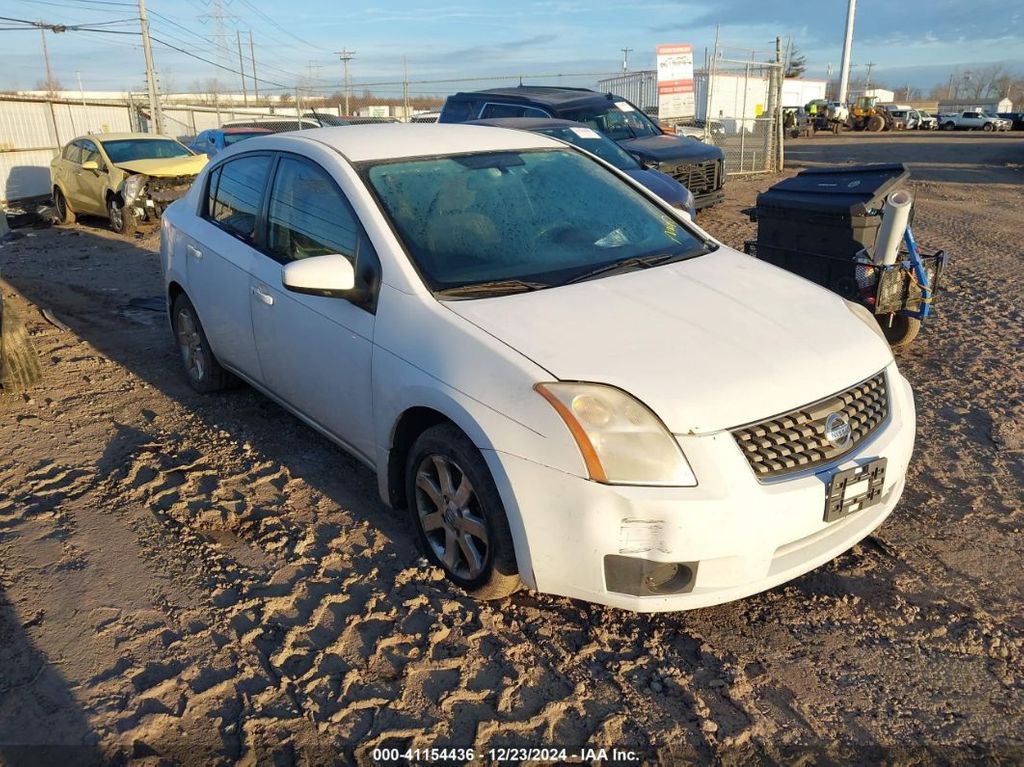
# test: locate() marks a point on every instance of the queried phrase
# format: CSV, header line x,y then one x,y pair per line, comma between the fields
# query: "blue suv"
x,y
694,164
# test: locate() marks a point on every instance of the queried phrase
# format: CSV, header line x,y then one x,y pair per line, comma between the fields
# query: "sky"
x,y
916,42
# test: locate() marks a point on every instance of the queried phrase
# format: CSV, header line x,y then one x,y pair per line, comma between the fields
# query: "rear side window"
x,y
90,153
308,215
455,111
235,193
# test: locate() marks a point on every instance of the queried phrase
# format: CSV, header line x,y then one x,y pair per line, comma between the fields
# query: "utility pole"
x,y
867,77
844,68
255,83
241,67
156,116
625,59
405,87
346,56
46,57
81,90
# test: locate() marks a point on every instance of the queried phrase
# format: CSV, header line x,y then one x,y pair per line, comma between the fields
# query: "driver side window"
x,y
308,215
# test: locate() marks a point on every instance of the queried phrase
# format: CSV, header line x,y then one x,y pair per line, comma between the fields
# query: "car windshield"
x,y
616,119
595,143
234,138
526,219
126,150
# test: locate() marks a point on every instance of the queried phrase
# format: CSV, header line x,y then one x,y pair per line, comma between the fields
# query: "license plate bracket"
x,y
851,490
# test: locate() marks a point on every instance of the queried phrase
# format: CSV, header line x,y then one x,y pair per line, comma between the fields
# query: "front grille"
x,y
700,178
796,440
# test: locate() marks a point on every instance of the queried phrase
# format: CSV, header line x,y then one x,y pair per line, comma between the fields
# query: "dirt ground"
x,y
192,579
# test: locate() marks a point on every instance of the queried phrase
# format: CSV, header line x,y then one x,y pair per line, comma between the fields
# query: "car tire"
x,y
899,329
949,126
455,507
121,221
987,127
64,214
203,371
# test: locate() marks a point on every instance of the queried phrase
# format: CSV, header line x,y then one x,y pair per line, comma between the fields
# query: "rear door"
x,y
219,252
314,351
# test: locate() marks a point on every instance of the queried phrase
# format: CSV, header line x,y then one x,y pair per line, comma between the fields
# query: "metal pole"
x,y
405,88
156,117
780,152
46,58
81,90
743,130
255,83
241,67
346,56
844,68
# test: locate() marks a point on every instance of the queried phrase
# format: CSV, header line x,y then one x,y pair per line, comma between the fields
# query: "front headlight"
x,y
132,188
864,315
622,442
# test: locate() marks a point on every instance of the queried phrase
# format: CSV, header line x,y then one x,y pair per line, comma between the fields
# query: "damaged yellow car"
x,y
124,177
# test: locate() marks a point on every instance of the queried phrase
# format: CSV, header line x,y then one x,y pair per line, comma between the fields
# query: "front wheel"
x,y
459,517
122,220
899,329
987,127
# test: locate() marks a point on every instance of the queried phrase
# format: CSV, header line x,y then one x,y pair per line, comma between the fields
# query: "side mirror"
x,y
331,275
90,165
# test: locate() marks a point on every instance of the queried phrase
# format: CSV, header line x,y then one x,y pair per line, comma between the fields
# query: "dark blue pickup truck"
x,y
694,164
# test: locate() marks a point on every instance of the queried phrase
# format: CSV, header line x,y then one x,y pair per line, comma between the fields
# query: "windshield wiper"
x,y
492,288
634,262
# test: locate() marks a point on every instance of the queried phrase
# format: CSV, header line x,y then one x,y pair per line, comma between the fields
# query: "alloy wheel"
x,y
450,516
190,343
116,215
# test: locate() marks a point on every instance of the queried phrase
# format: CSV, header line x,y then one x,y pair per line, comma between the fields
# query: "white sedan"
x,y
566,383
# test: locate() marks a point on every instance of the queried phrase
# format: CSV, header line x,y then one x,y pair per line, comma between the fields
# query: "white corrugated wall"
x,y
32,133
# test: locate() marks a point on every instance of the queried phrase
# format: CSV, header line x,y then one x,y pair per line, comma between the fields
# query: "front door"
x,y
314,352
91,185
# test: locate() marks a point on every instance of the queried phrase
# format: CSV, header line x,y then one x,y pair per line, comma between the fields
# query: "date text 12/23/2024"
x,y
502,755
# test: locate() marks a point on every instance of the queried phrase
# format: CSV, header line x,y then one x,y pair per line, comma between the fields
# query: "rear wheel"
x,y
459,517
60,204
949,126
899,329
204,373
122,220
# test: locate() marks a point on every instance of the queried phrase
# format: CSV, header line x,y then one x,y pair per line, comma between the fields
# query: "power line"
x,y
273,23
212,63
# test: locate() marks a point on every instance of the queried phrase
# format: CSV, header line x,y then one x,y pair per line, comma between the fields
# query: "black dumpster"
x,y
822,224
815,223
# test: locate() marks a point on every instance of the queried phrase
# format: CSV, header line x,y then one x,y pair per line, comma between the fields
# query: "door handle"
x,y
261,293
193,251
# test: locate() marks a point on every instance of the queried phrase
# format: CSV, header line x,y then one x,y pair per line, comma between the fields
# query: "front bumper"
x,y
735,535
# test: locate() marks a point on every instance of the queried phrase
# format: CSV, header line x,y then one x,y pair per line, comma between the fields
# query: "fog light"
x,y
643,577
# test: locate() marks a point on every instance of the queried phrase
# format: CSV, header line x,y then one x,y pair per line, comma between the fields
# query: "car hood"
x,y
664,147
666,187
710,343
171,166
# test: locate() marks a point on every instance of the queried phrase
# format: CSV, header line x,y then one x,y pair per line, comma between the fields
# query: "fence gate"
x,y
742,106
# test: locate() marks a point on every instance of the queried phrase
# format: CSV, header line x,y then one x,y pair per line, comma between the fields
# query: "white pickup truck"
x,y
973,121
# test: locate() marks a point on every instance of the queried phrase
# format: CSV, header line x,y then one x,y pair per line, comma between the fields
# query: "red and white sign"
x,y
675,81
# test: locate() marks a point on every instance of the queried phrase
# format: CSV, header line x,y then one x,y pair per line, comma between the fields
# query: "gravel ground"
x,y
204,579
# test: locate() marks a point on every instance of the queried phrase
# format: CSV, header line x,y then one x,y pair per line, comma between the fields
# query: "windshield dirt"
x,y
539,217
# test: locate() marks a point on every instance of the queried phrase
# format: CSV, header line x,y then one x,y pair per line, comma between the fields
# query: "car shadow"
x,y
40,720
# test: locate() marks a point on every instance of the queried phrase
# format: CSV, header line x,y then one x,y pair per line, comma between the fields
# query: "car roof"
x,y
546,95
525,123
398,140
